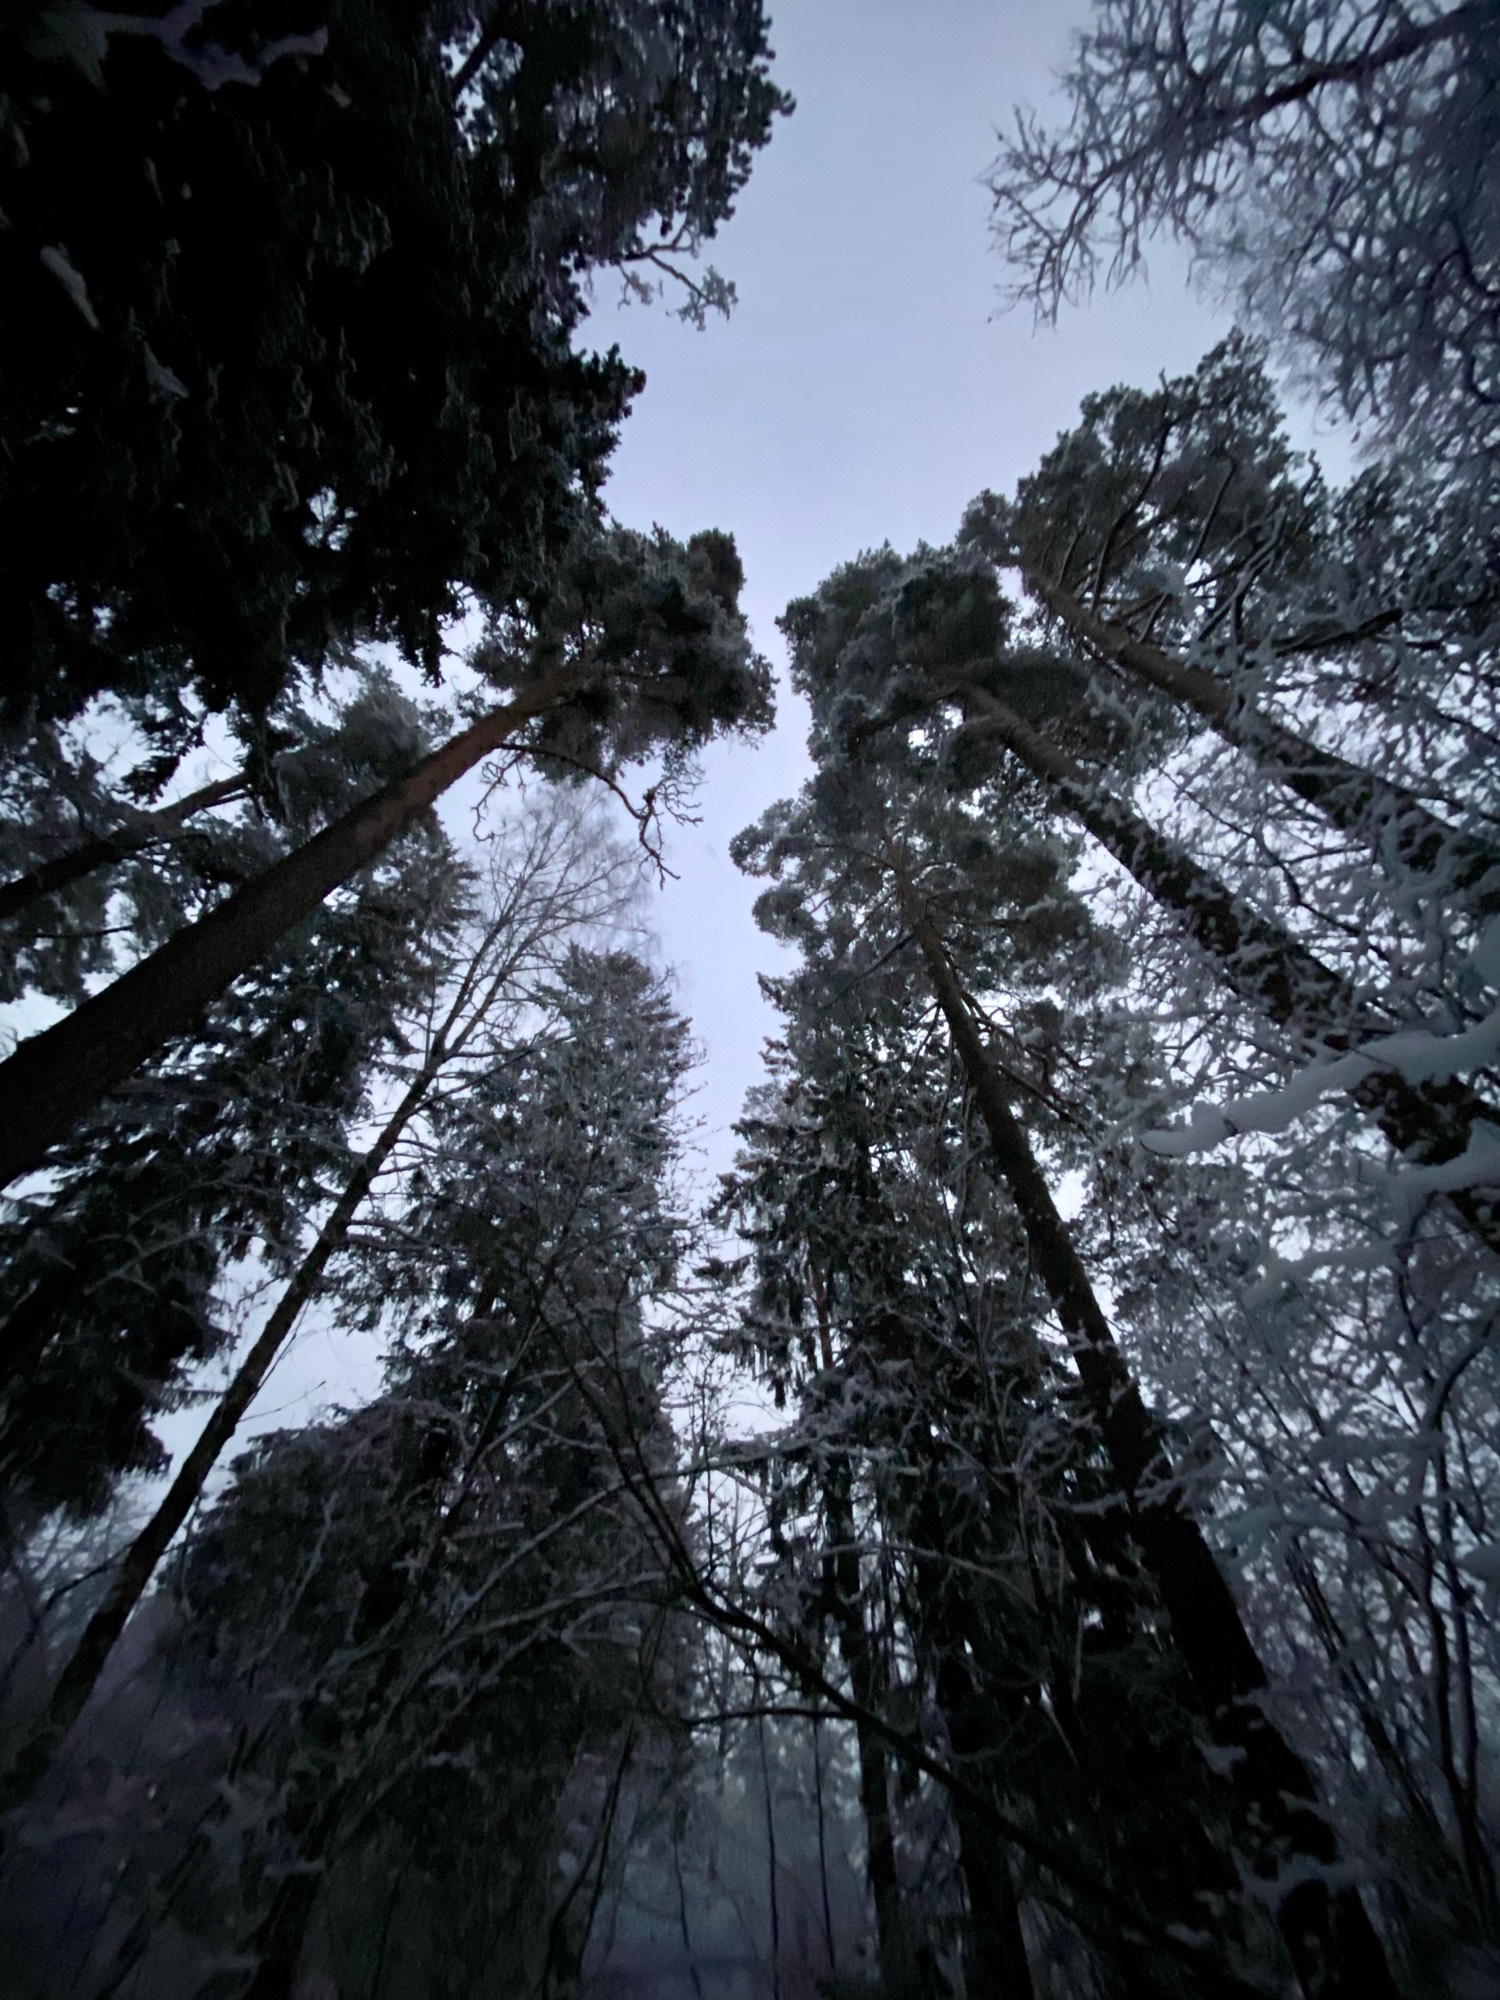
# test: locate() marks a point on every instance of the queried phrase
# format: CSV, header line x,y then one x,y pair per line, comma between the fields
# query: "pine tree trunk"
x,y
56,1076
80,1676
1266,967
63,870
1329,1937
1393,819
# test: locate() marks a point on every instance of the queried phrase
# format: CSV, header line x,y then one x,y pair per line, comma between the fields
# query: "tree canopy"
x,y
1028,1531
290,346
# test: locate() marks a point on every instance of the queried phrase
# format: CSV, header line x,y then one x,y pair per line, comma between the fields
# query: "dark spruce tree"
x,y
116,1269
293,302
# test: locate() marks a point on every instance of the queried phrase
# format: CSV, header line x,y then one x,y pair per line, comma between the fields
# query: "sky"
x,y
866,386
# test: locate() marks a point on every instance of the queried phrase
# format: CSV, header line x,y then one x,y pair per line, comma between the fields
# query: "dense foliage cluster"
x,y
234,441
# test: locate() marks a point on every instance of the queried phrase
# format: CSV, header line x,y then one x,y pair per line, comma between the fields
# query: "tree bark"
x,y
996,1965
1394,820
1328,1936
56,1076
81,1675
63,870
868,1681
1259,961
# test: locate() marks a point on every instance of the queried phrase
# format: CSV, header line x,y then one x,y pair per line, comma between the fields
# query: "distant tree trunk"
x,y
818,1802
54,1078
1329,1937
63,870
771,1862
684,1928
1395,821
1259,961
868,1680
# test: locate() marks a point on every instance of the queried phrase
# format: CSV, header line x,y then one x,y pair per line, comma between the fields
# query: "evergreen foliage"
x,y
234,442
115,1268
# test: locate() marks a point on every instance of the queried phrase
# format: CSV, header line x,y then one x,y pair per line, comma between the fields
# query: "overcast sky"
x,y
865,388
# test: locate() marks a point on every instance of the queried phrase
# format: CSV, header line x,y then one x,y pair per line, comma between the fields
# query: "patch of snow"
x,y
1416,1054
70,278
161,378
1281,1271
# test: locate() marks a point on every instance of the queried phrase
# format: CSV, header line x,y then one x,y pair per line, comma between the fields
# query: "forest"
x,y
1030,1528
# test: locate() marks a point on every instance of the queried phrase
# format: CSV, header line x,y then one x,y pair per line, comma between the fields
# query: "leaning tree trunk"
x,y
81,1675
1265,966
1401,829
54,1078
1328,1935
144,831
